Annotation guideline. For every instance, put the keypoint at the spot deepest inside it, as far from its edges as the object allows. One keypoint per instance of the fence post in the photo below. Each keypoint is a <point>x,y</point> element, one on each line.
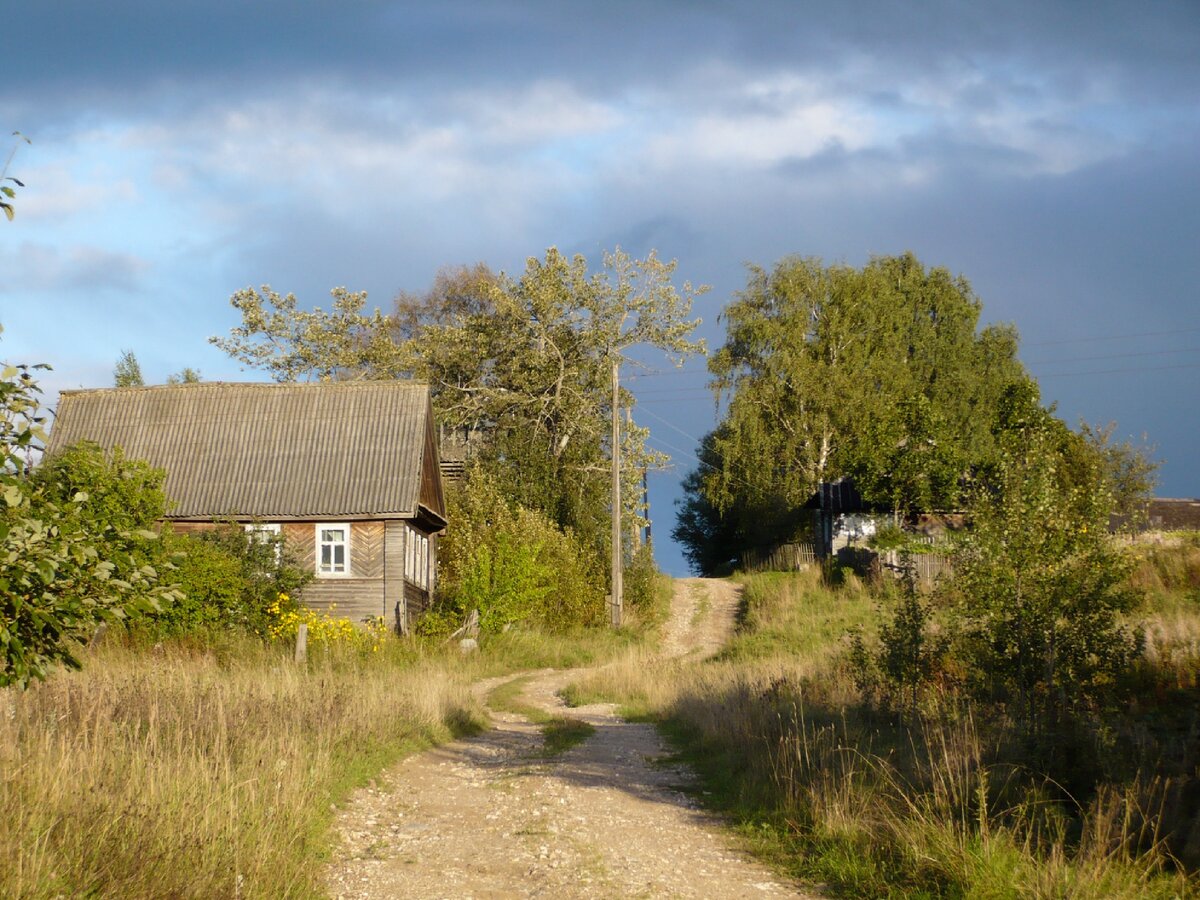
<point>301,643</point>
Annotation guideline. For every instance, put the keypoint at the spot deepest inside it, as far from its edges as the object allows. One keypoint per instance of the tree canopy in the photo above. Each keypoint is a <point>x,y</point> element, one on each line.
<point>519,367</point>
<point>880,373</point>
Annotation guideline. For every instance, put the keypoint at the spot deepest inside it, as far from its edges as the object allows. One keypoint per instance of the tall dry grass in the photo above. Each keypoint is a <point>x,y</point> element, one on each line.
<point>874,806</point>
<point>194,773</point>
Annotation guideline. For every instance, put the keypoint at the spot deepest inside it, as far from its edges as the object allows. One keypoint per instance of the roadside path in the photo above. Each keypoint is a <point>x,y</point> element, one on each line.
<point>489,817</point>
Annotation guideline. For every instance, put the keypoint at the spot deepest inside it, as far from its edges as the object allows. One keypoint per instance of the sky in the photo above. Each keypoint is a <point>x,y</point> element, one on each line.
<point>178,152</point>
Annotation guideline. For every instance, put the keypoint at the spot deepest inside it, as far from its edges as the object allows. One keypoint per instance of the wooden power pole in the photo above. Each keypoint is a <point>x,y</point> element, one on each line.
<point>616,601</point>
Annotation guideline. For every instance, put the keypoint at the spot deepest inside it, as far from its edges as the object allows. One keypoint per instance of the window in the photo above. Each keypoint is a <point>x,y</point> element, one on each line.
<point>333,548</point>
<point>416,558</point>
<point>264,533</point>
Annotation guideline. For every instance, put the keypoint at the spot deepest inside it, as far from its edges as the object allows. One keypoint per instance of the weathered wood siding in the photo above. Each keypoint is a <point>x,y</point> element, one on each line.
<point>366,549</point>
<point>431,495</point>
<point>376,583</point>
<point>393,575</point>
<point>356,597</point>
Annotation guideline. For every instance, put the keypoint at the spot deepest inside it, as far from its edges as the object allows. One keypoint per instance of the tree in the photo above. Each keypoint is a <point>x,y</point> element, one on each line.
<point>706,534</point>
<point>520,364</point>
<point>526,364</point>
<point>186,375</point>
<point>1129,470</point>
<point>1041,587</point>
<point>877,373</point>
<point>127,373</point>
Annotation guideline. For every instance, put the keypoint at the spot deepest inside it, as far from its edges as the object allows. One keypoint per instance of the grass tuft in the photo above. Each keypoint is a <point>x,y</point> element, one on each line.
<point>833,790</point>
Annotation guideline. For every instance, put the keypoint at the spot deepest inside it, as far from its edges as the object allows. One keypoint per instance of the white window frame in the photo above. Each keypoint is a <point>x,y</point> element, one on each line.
<point>416,559</point>
<point>258,531</point>
<point>332,571</point>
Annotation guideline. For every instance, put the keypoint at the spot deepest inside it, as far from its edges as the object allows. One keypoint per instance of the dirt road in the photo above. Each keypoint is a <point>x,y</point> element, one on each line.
<point>491,817</point>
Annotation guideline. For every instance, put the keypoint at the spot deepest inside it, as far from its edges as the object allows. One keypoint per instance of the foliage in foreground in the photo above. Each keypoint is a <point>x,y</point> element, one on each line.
<point>74,551</point>
<point>209,764</point>
<point>937,801</point>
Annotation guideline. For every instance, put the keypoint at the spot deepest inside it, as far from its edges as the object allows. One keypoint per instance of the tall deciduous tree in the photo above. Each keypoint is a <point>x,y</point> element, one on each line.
<point>525,363</point>
<point>522,363</point>
<point>879,373</point>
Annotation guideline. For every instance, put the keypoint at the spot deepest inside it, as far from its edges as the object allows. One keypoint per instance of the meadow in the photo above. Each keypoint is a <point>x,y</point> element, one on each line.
<point>213,767</point>
<point>943,800</point>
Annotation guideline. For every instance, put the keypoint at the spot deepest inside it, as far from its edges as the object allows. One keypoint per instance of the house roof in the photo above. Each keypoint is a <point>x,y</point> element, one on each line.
<point>270,451</point>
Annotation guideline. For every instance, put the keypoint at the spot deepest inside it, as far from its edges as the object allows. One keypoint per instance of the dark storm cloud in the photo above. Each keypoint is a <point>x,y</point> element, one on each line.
<point>83,56</point>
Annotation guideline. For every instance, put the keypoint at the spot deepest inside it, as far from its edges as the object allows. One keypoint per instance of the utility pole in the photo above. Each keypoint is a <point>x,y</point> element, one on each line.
<point>646,499</point>
<point>615,603</point>
<point>635,530</point>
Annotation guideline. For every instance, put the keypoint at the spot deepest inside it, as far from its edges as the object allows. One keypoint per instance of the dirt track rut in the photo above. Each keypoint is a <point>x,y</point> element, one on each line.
<point>490,817</point>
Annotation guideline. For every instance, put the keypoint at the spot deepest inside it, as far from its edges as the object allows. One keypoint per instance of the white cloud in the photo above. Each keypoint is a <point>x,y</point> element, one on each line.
<point>56,191</point>
<point>35,267</point>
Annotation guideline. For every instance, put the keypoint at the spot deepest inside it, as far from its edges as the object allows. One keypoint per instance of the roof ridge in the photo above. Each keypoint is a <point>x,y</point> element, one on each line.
<point>255,385</point>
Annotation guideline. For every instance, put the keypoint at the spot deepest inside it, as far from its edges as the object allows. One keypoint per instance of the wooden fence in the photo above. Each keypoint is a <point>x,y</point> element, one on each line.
<point>795,557</point>
<point>928,566</point>
<point>781,558</point>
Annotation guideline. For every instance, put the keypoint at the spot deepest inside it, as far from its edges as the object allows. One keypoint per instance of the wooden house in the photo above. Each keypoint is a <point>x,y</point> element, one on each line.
<point>347,472</point>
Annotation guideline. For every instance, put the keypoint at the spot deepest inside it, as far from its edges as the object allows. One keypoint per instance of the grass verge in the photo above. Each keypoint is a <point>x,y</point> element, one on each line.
<point>832,790</point>
<point>559,733</point>
<point>213,768</point>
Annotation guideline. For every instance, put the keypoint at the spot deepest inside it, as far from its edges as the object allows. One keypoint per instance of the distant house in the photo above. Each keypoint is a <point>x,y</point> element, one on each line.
<point>347,472</point>
<point>842,518</point>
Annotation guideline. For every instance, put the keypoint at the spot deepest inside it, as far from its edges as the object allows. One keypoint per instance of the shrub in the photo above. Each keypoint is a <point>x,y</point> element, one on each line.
<point>1041,587</point>
<point>73,549</point>
<point>228,578</point>
<point>325,630</point>
<point>512,564</point>
<point>641,578</point>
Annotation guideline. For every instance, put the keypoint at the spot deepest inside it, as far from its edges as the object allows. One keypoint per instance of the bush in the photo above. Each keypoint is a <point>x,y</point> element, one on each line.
<point>325,630</point>
<point>641,579</point>
<point>513,565</point>
<point>1041,587</point>
<point>228,578</point>
<point>74,551</point>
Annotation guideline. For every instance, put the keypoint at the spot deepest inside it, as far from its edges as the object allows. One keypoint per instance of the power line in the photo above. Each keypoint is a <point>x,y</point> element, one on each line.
<point>655,415</point>
<point>1112,337</point>
<point>1035,362</point>
<point>674,399</point>
<point>1121,371</point>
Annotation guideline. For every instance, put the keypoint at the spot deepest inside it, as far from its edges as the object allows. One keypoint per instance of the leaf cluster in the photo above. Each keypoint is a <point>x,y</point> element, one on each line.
<point>512,564</point>
<point>74,549</point>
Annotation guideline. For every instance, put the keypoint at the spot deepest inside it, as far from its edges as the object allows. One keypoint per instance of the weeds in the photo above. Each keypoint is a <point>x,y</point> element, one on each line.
<point>935,803</point>
<point>211,767</point>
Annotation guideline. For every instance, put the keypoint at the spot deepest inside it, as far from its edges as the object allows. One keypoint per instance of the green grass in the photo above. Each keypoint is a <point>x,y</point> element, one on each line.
<point>831,790</point>
<point>559,733</point>
<point>213,766</point>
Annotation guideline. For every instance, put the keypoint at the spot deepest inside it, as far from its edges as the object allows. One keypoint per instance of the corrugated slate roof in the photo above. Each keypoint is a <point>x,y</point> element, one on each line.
<point>271,451</point>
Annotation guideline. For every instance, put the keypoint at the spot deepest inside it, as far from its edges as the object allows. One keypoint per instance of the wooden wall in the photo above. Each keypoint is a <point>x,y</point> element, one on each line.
<point>377,581</point>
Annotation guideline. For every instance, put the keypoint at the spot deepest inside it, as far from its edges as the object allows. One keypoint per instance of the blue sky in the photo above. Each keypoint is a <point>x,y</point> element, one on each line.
<point>181,151</point>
